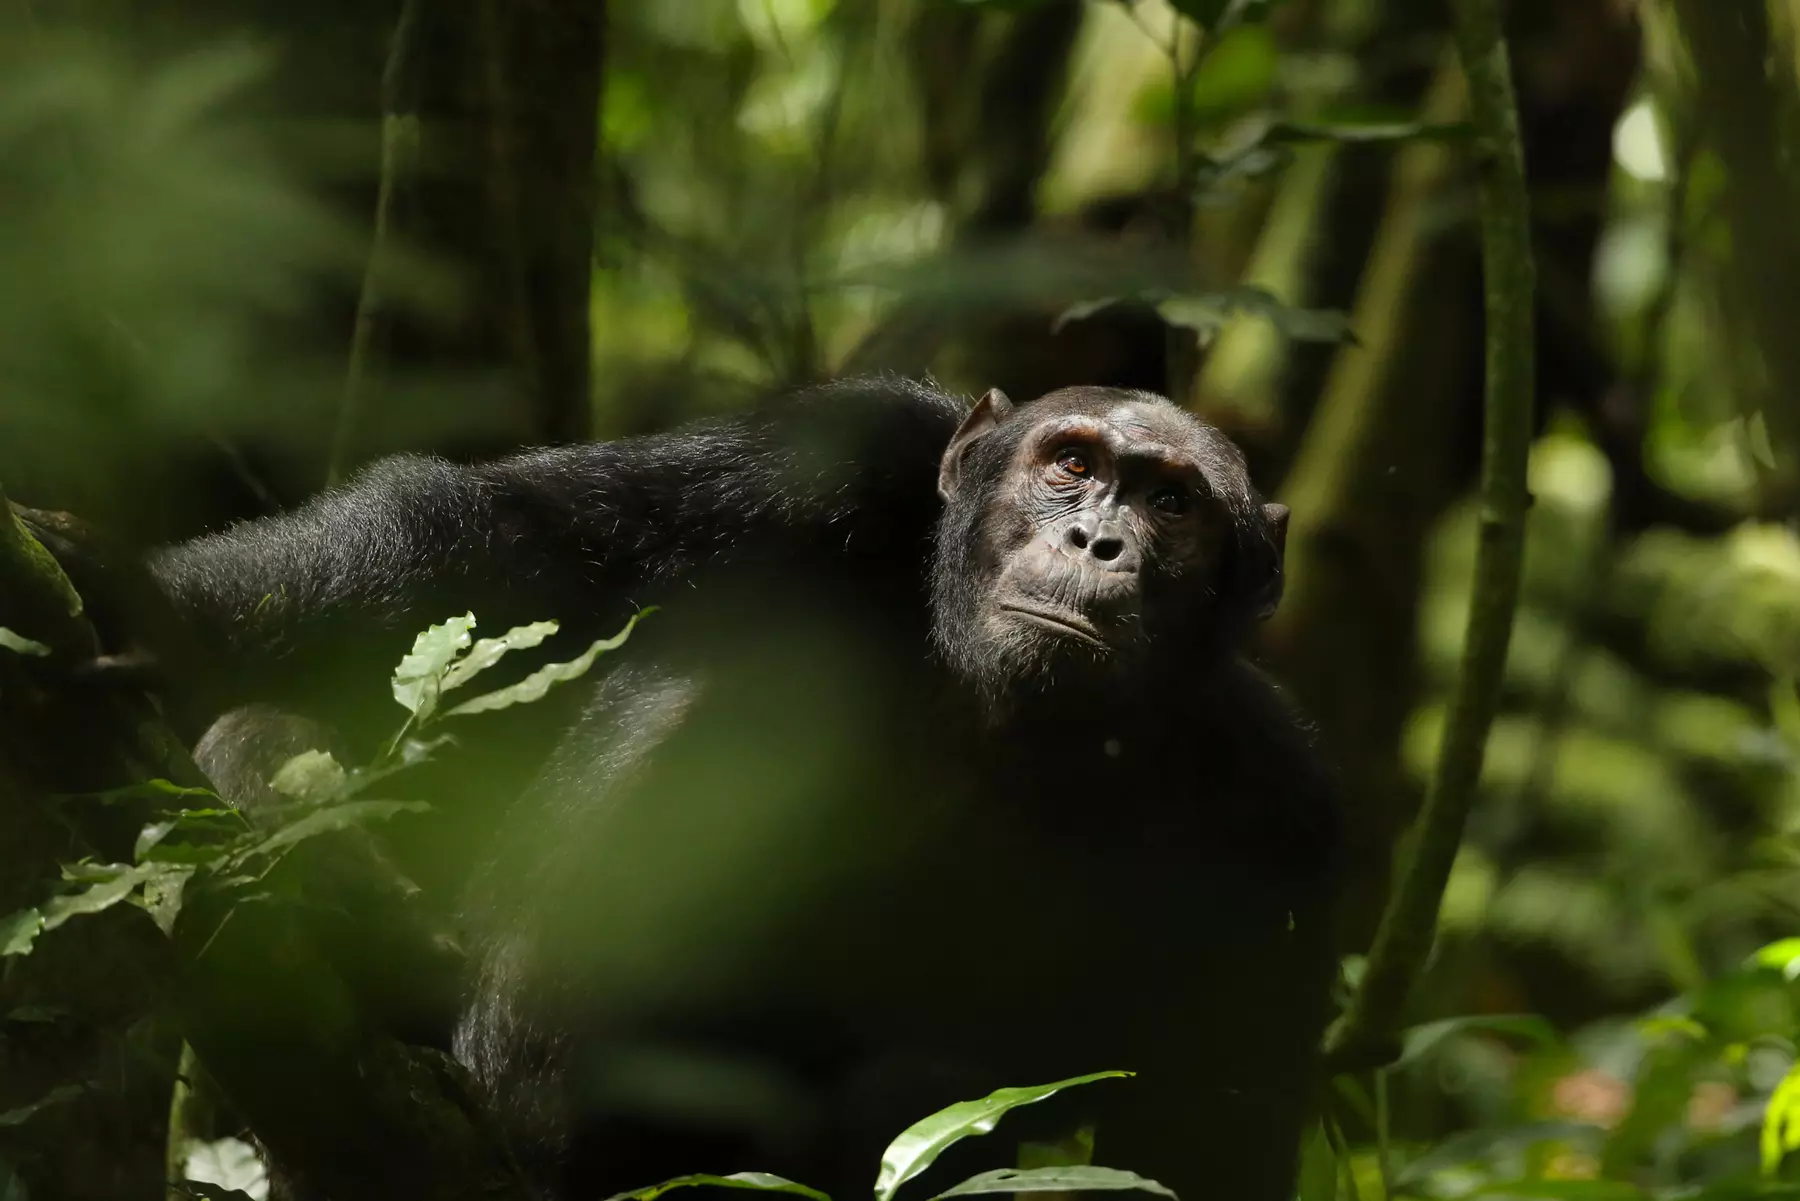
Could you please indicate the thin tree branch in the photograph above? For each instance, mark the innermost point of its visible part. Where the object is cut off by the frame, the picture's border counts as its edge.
(1368, 1034)
(398, 134)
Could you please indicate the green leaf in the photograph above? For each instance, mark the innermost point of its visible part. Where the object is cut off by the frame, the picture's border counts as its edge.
(1318, 1167)
(1069, 1178)
(920, 1144)
(1420, 1041)
(149, 836)
(1207, 312)
(20, 644)
(332, 819)
(314, 776)
(19, 930)
(420, 675)
(1239, 71)
(56, 1096)
(163, 894)
(760, 1181)
(534, 686)
(1783, 956)
(1781, 1122)
(116, 886)
(489, 651)
(1084, 310)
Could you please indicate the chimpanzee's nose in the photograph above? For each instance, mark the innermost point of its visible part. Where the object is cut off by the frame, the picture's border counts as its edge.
(1101, 538)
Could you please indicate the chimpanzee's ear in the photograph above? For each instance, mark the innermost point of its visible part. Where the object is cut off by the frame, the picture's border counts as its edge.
(1271, 569)
(987, 414)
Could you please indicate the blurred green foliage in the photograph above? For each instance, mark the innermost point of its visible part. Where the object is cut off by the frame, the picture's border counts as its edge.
(173, 344)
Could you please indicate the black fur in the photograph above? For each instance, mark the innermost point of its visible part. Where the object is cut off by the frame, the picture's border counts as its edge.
(789, 877)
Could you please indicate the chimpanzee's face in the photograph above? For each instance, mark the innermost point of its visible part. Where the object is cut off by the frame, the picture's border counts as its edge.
(1089, 527)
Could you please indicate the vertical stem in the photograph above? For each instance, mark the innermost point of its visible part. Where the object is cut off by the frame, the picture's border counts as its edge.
(397, 134)
(1367, 1034)
(1181, 345)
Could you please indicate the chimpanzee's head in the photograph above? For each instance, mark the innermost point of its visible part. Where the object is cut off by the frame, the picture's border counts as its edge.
(1096, 530)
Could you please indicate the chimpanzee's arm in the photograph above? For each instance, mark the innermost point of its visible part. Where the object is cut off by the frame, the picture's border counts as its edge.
(583, 534)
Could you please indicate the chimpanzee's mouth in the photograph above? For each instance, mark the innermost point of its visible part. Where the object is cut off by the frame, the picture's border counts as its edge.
(1061, 620)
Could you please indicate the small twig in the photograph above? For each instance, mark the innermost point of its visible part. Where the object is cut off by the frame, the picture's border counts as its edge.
(1367, 1035)
(397, 137)
(1181, 346)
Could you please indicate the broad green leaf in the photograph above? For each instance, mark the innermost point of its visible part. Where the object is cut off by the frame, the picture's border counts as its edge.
(332, 819)
(19, 930)
(149, 836)
(19, 644)
(1068, 1178)
(56, 1096)
(1781, 1122)
(314, 776)
(215, 824)
(534, 686)
(1318, 1166)
(759, 1181)
(1783, 956)
(920, 1144)
(488, 651)
(1422, 1040)
(420, 675)
(163, 893)
(1239, 71)
(106, 892)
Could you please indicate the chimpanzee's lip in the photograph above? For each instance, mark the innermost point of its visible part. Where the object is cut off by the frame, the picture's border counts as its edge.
(1061, 620)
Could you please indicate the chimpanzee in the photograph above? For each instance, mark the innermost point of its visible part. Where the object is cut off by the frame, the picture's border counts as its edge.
(939, 771)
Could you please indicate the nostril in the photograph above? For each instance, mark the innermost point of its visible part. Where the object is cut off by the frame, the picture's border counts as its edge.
(1077, 537)
(1107, 549)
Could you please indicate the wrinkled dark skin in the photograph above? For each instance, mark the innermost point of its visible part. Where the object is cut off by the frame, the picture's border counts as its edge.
(940, 771)
(1106, 539)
